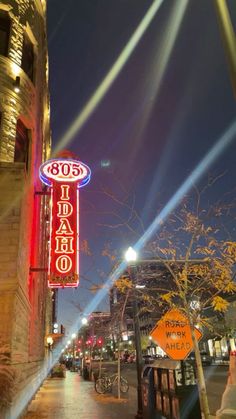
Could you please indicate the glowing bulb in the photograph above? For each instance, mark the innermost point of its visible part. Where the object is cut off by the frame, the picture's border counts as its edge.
(131, 255)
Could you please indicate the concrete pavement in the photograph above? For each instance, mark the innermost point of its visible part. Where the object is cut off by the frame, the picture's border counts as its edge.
(72, 397)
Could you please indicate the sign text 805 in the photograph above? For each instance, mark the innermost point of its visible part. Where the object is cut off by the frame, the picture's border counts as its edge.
(65, 170)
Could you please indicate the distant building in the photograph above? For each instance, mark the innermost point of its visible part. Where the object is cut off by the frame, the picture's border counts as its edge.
(94, 337)
(25, 301)
(98, 326)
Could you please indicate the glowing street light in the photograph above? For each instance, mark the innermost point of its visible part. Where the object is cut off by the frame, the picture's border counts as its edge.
(131, 255)
(84, 321)
(49, 341)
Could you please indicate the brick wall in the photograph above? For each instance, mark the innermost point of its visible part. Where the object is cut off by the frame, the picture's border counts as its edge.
(24, 298)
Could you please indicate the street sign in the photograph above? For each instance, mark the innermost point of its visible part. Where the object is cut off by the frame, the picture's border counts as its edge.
(172, 333)
(64, 177)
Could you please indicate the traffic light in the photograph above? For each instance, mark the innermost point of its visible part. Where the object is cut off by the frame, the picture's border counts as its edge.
(99, 341)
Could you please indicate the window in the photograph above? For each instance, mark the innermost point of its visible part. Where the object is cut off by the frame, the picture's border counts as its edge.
(22, 144)
(28, 58)
(4, 34)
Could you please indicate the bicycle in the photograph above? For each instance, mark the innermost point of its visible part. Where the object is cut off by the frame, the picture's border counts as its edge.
(105, 383)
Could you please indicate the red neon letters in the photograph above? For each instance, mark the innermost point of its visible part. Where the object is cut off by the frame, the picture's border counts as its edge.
(65, 177)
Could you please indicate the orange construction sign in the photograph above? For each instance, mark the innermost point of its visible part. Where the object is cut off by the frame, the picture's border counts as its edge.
(172, 333)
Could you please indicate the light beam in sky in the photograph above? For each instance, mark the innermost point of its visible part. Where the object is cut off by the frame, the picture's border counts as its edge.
(222, 143)
(157, 69)
(112, 74)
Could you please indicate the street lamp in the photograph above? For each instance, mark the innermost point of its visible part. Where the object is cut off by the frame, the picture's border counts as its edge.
(73, 336)
(49, 347)
(131, 257)
(84, 321)
(49, 342)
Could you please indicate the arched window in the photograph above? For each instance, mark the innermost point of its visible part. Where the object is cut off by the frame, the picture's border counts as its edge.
(22, 144)
(5, 24)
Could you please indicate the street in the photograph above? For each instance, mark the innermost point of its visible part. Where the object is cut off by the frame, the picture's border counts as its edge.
(215, 375)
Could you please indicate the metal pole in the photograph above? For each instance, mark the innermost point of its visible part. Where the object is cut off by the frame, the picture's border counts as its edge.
(73, 353)
(118, 372)
(90, 359)
(100, 364)
(137, 339)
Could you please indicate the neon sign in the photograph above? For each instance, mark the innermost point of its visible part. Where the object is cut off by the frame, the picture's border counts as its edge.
(64, 177)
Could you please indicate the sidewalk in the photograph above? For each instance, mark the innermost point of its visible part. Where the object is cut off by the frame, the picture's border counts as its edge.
(74, 398)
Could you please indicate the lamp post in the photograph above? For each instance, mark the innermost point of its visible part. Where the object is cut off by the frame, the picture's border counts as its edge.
(131, 257)
(73, 336)
(84, 322)
(49, 347)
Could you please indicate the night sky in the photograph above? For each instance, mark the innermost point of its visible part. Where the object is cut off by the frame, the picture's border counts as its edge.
(147, 135)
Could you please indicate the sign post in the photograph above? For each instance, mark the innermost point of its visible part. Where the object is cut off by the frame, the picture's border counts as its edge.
(64, 177)
(173, 334)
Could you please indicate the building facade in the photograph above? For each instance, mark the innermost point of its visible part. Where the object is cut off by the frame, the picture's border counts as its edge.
(25, 301)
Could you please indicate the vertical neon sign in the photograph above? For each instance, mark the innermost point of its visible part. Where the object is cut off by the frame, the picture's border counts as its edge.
(64, 177)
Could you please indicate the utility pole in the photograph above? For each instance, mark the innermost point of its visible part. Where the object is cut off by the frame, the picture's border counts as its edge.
(228, 38)
(138, 349)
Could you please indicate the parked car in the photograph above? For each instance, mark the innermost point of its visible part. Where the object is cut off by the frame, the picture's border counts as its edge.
(205, 357)
(225, 356)
(76, 366)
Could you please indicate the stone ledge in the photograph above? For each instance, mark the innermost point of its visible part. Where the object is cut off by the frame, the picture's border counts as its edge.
(12, 166)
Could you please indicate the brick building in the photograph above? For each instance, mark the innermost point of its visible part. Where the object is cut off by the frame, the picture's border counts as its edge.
(25, 301)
